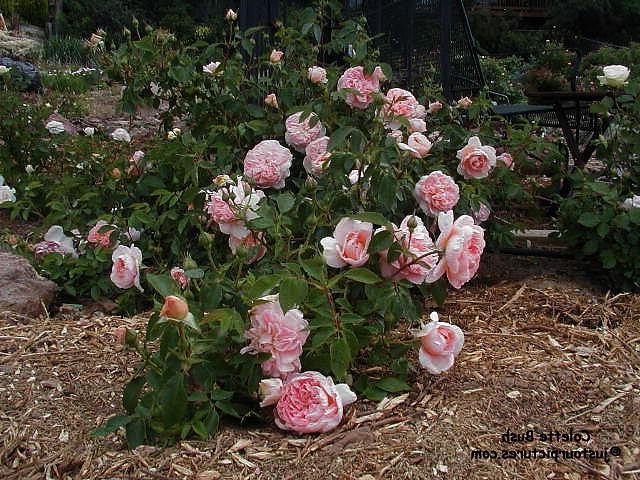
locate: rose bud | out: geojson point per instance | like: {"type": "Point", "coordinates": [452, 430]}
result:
{"type": "Point", "coordinates": [174, 307]}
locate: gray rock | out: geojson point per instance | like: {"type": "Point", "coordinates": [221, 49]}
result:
{"type": "Point", "coordinates": [28, 71]}
{"type": "Point", "coordinates": [22, 290]}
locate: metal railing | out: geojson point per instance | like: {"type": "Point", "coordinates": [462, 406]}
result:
{"type": "Point", "coordinates": [524, 7]}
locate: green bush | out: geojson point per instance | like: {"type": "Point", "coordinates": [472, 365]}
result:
{"type": "Point", "coordinates": [30, 11]}
{"type": "Point", "coordinates": [67, 51]}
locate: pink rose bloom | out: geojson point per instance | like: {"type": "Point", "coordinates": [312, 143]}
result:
{"type": "Point", "coordinates": [251, 241]}
{"type": "Point", "coordinates": [506, 159]}
{"type": "Point", "coordinates": [125, 272]}
{"type": "Point", "coordinates": [396, 135]}
{"type": "Point", "coordinates": [349, 244]}
{"type": "Point", "coordinates": [417, 125]}
{"type": "Point", "coordinates": [476, 160]}
{"type": "Point", "coordinates": [317, 158]}
{"type": "Point", "coordinates": [482, 214]}
{"type": "Point", "coordinates": [415, 266]}
{"type": "Point", "coordinates": [366, 85]}
{"type": "Point", "coordinates": [418, 145]}
{"type": "Point", "coordinates": [461, 243]}
{"type": "Point", "coordinates": [276, 56]}
{"type": "Point", "coordinates": [232, 206]}
{"type": "Point", "coordinates": [307, 402]}
{"type": "Point", "coordinates": [465, 102]}
{"type": "Point", "coordinates": [178, 275]}
{"type": "Point", "coordinates": [317, 74]}
{"type": "Point", "coordinates": [282, 335]}
{"type": "Point", "coordinates": [300, 134]}
{"type": "Point", "coordinates": [400, 103]}
{"type": "Point", "coordinates": [436, 193]}
{"type": "Point", "coordinates": [434, 107]}
{"type": "Point", "coordinates": [441, 344]}
{"type": "Point", "coordinates": [268, 164]}
{"type": "Point", "coordinates": [55, 241]}
{"type": "Point", "coordinates": [102, 239]}
{"type": "Point", "coordinates": [271, 100]}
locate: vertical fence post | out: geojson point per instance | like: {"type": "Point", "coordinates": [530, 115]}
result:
{"type": "Point", "coordinates": [445, 47]}
{"type": "Point", "coordinates": [411, 14]}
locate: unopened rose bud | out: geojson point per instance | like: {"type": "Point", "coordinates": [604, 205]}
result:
{"type": "Point", "coordinates": [311, 183]}
{"type": "Point", "coordinates": [115, 173]}
{"type": "Point", "coordinates": [412, 223]}
{"type": "Point", "coordinates": [276, 56]}
{"type": "Point", "coordinates": [135, 22]}
{"type": "Point", "coordinates": [271, 100]}
{"type": "Point", "coordinates": [247, 189]}
{"type": "Point", "coordinates": [189, 263]}
{"type": "Point", "coordinates": [231, 15]}
{"type": "Point", "coordinates": [174, 307]}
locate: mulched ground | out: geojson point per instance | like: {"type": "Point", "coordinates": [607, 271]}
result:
{"type": "Point", "coordinates": [541, 354]}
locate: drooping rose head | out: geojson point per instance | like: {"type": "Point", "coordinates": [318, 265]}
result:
{"type": "Point", "coordinates": [349, 244]}
{"type": "Point", "coordinates": [441, 343]}
{"type": "Point", "coordinates": [505, 159]}
{"type": "Point", "coordinates": [434, 107]}
{"type": "Point", "coordinates": [300, 133]}
{"type": "Point", "coordinates": [252, 243]}
{"type": "Point", "coordinates": [317, 157]}
{"type": "Point", "coordinates": [461, 243]}
{"type": "Point", "coordinates": [615, 76]}
{"type": "Point", "coordinates": [354, 78]}
{"type": "Point", "coordinates": [271, 100]}
{"type": "Point", "coordinates": [282, 335]}
{"type": "Point", "coordinates": [179, 276]}
{"type": "Point", "coordinates": [125, 272]}
{"type": "Point", "coordinates": [400, 103]}
{"type": "Point", "coordinates": [100, 238]}
{"type": "Point", "coordinates": [317, 74]}
{"type": "Point", "coordinates": [174, 307]}
{"type": "Point", "coordinates": [308, 402]}
{"type": "Point", "coordinates": [465, 102]}
{"type": "Point", "coordinates": [276, 56]}
{"type": "Point", "coordinates": [55, 241]}
{"type": "Point", "coordinates": [436, 193]}
{"type": "Point", "coordinates": [476, 160]}
{"type": "Point", "coordinates": [268, 164]}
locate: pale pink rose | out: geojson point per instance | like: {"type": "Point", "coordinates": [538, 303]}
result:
{"type": "Point", "coordinates": [178, 275]}
{"type": "Point", "coordinates": [434, 107]}
{"type": "Point", "coordinates": [251, 242]}
{"type": "Point", "coordinates": [136, 164]}
{"type": "Point", "coordinates": [417, 125]}
{"type": "Point", "coordinates": [211, 68]}
{"type": "Point", "coordinates": [125, 272]}
{"type": "Point", "coordinates": [101, 239]}
{"type": "Point", "coordinates": [400, 103]}
{"type": "Point", "coordinates": [465, 102]}
{"type": "Point", "coordinates": [355, 78]}
{"type": "Point", "coordinates": [300, 134]}
{"type": "Point", "coordinates": [271, 100]}
{"type": "Point", "coordinates": [349, 244]}
{"type": "Point", "coordinates": [418, 145]}
{"type": "Point", "coordinates": [282, 335]}
{"type": "Point", "coordinates": [436, 193]}
{"type": "Point", "coordinates": [55, 241]}
{"type": "Point", "coordinates": [476, 160]}
{"type": "Point", "coordinates": [418, 260]}
{"type": "Point", "coordinates": [506, 159]}
{"type": "Point", "coordinates": [174, 307]}
{"type": "Point", "coordinates": [276, 56]}
{"type": "Point", "coordinates": [232, 206]}
{"type": "Point", "coordinates": [317, 158]}
{"type": "Point", "coordinates": [121, 335]}
{"type": "Point", "coordinates": [396, 135]}
{"type": "Point", "coordinates": [441, 343]}
{"type": "Point", "coordinates": [307, 402]}
{"type": "Point", "coordinates": [268, 164]}
{"type": "Point", "coordinates": [482, 214]}
{"type": "Point", "coordinates": [461, 243]}
{"type": "Point", "coordinates": [356, 175]}
{"type": "Point", "coordinates": [317, 74]}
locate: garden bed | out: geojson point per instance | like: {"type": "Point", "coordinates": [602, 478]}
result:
{"type": "Point", "coordinates": [546, 350]}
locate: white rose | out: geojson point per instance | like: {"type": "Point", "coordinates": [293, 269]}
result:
{"type": "Point", "coordinates": [55, 127]}
{"type": "Point", "coordinates": [121, 135]}
{"type": "Point", "coordinates": [614, 76]}
{"type": "Point", "coordinates": [211, 68]}
{"type": "Point", "coordinates": [7, 194]}
{"type": "Point", "coordinates": [29, 169]}
{"type": "Point", "coordinates": [4, 69]}
{"type": "Point", "coordinates": [631, 202]}
{"type": "Point", "coordinates": [89, 131]}
{"type": "Point", "coordinates": [231, 15]}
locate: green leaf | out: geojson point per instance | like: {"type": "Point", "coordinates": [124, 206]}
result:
{"type": "Point", "coordinates": [339, 137]}
{"type": "Point", "coordinates": [589, 219]}
{"type": "Point", "coordinates": [340, 355]}
{"type": "Point", "coordinates": [163, 284]}
{"type": "Point", "coordinates": [190, 321]}
{"type": "Point", "coordinates": [174, 400]}
{"type": "Point", "coordinates": [634, 215]}
{"type": "Point", "coordinates": [131, 393]}
{"type": "Point", "coordinates": [286, 202]}
{"type": "Point", "coordinates": [362, 275]}
{"type": "Point", "coordinates": [381, 241]}
{"type": "Point", "coordinates": [194, 273]}
{"type": "Point", "coordinates": [608, 258]}
{"type": "Point", "coordinates": [136, 433]}
{"type": "Point", "coordinates": [228, 319]}
{"type": "Point", "coordinates": [293, 292]}
{"type": "Point", "coordinates": [372, 217]}
{"type": "Point", "coordinates": [393, 385]}
{"type": "Point", "coordinates": [314, 267]}
{"type": "Point", "coordinates": [262, 286]}
{"type": "Point", "coordinates": [210, 296]}
{"type": "Point", "coordinates": [200, 428]}
{"type": "Point", "coordinates": [111, 425]}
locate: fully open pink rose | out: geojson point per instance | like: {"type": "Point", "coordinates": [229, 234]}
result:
{"type": "Point", "coordinates": [421, 254]}
{"type": "Point", "coordinates": [417, 125]}
{"type": "Point", "coordinates": [307, 402]}
{"type": "Point", "coordinates": [461, 243]}
{"type": "Point", "coordinates": [476, 160]}
{"type": "Point", "coordinates": [125, 272]}
{"type": "Point", "coordinates": [317, 158]}
{"type": "Point", "coordinates": [396, 135]}
{"type": "Point", "coordinates": [441, 343]}
{"type": "Point", "coordinates": [55, 241]}
{"type": "Point", "coordinates": [282, 335]}
{"type": "Point", "coordinates": [232, 206]}
{"type": "Point", "coordinates": [400, 103]}
{"type": "Point", "coordinates": [317, 74]}
{"type": "Point", "coordinates": [349, 244]}
{"type": "Point", "coordinates": [300, 133]}
{"type": "Point", "coordinates": [251, 243]}
{"type": "Point", "coordinates": [178, 275]}
{"type": "Point", "coordinates": [101, 239]}
{"type": "Point", "coordinates": [436, 193]}
{"type": "Point", "coordinates": [366, 85]}
{"type": "Point", "coordinates": [505, 159]}
{"type": "Point", "coordinates": [417, 145]}
{"type": "Point", "coordinates": [268, 164]}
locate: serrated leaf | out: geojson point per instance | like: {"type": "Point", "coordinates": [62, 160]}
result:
{"type": "Point", "coordinates": [286, 202]}
{"type": "Point", "coordinates": [393, 385]}
{"type": "Point", "coordinates": [111, 425]}
{"type": "Point", "coordinates": [314, 267]}
{"type": "Point", "coordinates": [131, 393]}
{"type": "Point", "coordinates": [381, 241]}
{"type": "Point", "coordinates": [293, 292]}
{"type": "Point", "coordinates": [362, 275]}
{"type": "Point", "coordinates": [136, 433]}
{"type": "Point", "coordinates": [163, 284]}
{"type": "Point", "coordinates": [262, 286]}
{"type": "Point", "coordinates": [589, 219]}
{"type": "Point", "coordinates": [372, 217]}
{"type": "Point", "coordinates": [340, 355]}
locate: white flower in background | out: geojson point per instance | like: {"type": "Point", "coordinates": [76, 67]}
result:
{"type": "Point", "coordinates": [173, 134]}
{"type": "Point", "coordinates": [55, 241]}
{"type": "Point", "coordinates": [231, 15]}
{"type": "Point", "coordinates": [211, 68]}
{"type": "Point", "coordinates": [7, 194]}
{"type": "Point", "coordinates": [55, 127]}
{"type": "Point", "coordinates": [121, 135]}
{"type": "Point", "coordinates": [155, 88]}
{"type": "Point", "coordinates": [4, 69]}
{"type": "Point", "coordinates": [89, 131]}
{"type": "Point", "coordinates": [631, 202]}
{"type": "Point", "coordinates": [29, 169]}
{"type": "Point", "coordinates": [614, 76]}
